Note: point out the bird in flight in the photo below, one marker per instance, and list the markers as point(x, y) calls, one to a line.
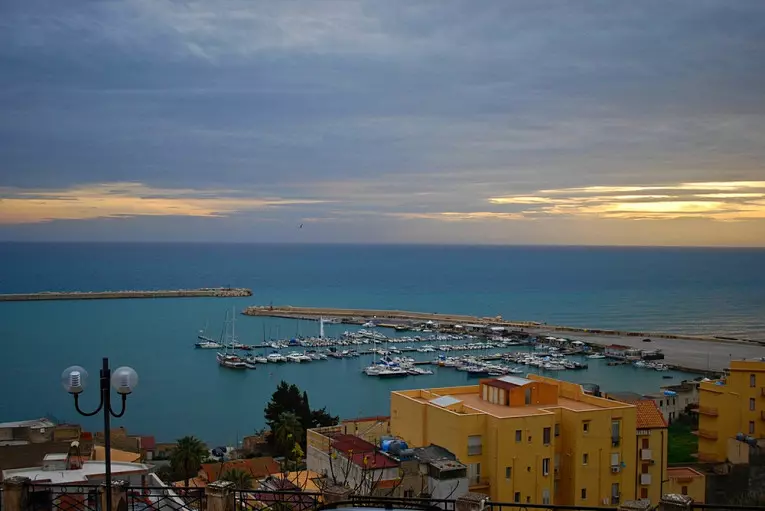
point(301, 226)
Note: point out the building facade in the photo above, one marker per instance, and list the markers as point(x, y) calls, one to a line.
point(536, 440)
point(731, 409)
point(651, 452)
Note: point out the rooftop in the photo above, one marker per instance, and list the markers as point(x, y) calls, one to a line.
point(256, 467)
point(90, 470)
point(34, 424)
point(625, 397)
point(682, 473)
point(648, 415)
point(348, 443)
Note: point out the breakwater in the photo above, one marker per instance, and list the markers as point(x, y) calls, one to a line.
point(215, 292)
point(392, 318)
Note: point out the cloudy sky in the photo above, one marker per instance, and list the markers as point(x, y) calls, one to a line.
point(493, 121)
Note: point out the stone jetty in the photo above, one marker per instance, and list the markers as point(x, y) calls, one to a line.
point(214, 292)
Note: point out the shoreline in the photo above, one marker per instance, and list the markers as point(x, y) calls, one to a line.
point(209, 292)
point(702, 354)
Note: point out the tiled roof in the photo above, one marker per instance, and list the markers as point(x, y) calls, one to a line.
point(373, 461)
point(346, 443)
point(256, 467)
point(648, 415)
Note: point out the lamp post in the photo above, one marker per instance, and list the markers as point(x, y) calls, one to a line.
point(124, 380)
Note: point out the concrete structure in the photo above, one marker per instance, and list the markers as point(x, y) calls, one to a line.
point(686, 481)
point(371, 429)
point(348, 460)
point(35, 431)
point(535, 440)
point(732, 407)
point(672, 400)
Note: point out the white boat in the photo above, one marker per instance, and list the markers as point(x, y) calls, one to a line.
point(276, 357)
point(208, 345)
point(596, 355)
point(368, 324)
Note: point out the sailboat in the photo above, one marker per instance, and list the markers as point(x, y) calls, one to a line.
point(206, 342)
point(226, 359)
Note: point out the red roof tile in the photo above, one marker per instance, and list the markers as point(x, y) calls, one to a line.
point(648, 415)
point(373, 460)
point(256, 467)
point(347, 443)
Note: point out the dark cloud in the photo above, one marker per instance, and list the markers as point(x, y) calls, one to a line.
point(457, 100)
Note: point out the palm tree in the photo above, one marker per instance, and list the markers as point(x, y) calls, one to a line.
point(288, 432)
point(241, 479)
point(187, 456)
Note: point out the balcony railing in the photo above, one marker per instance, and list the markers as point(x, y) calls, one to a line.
point(478, 482)
point(708, 410)
point(708, 434)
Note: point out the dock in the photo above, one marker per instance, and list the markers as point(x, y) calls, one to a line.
point(205, 292)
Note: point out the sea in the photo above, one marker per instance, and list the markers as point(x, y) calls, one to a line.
point(183, 391)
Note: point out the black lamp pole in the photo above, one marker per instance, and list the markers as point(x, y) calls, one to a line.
point(106, 406)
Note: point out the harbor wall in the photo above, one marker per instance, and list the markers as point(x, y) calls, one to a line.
point(215, 292)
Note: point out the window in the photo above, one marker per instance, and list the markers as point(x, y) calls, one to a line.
point(661, 403)
point(557, 429)
point(616, 434)
point(546, 436)
point(751, 404)
point(585, 458)
point(584, 493)
point(752, 380)
point(585, 426)
point(751, 427)
point(615, 493)
point(517, 496)
point(545, 466)
point(527, 396)
point(545, 496)
point(408, 494)
point(684, 490)
point(518, 435)
point(615, 459)
point(508, 472)
point(474, 445)
point(644, 443)
point(643, 492)
point(474, 473)
point(528, 499)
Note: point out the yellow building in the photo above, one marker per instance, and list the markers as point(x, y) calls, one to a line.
point(535, 440)
point(729, 406)
point(686, 481)
point(651, 454)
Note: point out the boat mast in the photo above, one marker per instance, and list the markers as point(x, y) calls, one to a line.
point(321, 328)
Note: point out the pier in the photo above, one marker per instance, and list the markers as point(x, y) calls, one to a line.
point(205, 292)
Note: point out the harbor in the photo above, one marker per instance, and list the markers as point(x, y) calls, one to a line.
point(691, 353)
point(205, 292)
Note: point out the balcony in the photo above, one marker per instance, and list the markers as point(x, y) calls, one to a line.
point(645, 479)
point(478, 482)
point(707, 434)
point(708, 411)
point(646, 455)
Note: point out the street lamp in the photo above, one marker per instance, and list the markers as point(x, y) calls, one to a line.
point(124, 380)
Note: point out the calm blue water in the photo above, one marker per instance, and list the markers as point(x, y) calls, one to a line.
point(182, 390)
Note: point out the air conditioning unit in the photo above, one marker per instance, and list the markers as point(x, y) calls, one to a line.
point(616, 469)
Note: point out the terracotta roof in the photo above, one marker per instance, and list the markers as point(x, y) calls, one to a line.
point(99, 454)
point(682, 473)
point(256, 467)
point(346, 443)
point(648, 415)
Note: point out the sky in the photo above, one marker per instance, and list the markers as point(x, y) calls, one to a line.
point(390, 121)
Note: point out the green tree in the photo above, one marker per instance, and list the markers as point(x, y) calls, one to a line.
point(289, 399)
point(187, 456)
point(241, 479)
point(288, 431)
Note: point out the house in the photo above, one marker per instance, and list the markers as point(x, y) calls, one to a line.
point(686, 481)
point(35, 431)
